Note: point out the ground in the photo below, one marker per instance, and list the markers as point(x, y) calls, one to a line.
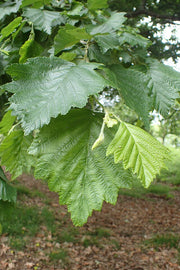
point(138, 233)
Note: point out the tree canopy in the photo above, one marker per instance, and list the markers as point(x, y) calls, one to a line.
point(152, 18)
point(59, 60)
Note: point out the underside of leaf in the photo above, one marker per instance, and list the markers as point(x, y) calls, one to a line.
point(82, 177)
point(139, 151)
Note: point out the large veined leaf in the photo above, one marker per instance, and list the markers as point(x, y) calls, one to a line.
point(9, 7)
point(97, 4)
point(133, 85)
point(138, 150)
point(43, 19)
point(46, 87)
point(13, 153)
point(68, 36)
point(165, 85)
point(7, 192)
point(83, 177)
point(111, 24)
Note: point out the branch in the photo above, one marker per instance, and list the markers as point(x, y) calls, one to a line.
point(153, 14)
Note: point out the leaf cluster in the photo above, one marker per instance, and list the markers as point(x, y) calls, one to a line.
point(57, 57)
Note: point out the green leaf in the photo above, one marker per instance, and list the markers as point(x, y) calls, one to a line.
point(15, 34)
point(95, 54)
point(9, 7)
point(133, 39)
point(164, 83)
point(78, 10)
point(97, 4)
point(7, 192)
point(138, 150)
point(68, 56)
point(6, 123)
point(8, 30)
point(82, 177)
point(29, 49)
point(13, 153)
point(111, 24)
point(133, 85)
point(106, 42)
point(68, 36)
point(49, 86)
point(35, 3)
point(43, 20)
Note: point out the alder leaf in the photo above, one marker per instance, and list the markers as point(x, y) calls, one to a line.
point(97, 4)
point(68, 36)
point(47, 87)
point(110, 25)
point(29, 49)
point(35, 3)
point(9, 7)
point(8, 30)
point(82, 177)
point(138, 150)
point(7, 192)
point(68, 56)
point(107, 42)
point(43, 19)
point(133, 86)
point(133, 39)
point(13, 153)
point(6, 123)
point(164, 83)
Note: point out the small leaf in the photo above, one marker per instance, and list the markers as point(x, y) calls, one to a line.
point(35, 3)
point(13, 7)
point(49, 86)
point(68, 56)
point(106, 42)
point(95, 54)
point(164, 83)
point(13, 153)
point(133, 39)
point(82, 177)
point(138, 150)
point(78, 10)
point(6, 123)
point(68, 36)
point(43, 19)
point(111, 24)
point(97, 4)
point(29, 49)
point(8, 30)
point(7, 192)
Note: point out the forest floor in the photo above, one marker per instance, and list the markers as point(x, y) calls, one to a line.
point(141, 232)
